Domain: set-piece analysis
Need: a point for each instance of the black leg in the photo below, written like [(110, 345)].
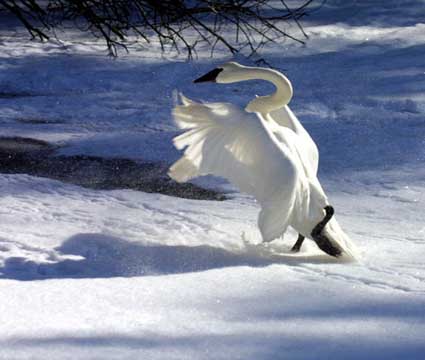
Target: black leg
[(321, 225), (298, 244), (321, 240)]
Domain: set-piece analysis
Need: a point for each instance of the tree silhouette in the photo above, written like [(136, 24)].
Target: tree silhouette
[(181, 24)]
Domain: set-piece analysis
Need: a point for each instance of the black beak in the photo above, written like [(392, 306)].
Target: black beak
[(211, 76)]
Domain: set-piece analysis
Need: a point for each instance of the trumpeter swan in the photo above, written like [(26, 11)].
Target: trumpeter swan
[(265, 153)]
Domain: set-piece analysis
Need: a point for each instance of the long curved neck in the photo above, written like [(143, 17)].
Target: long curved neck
[(266, 104)]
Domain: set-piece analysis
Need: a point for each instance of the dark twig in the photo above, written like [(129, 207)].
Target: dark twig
[(175, 24)]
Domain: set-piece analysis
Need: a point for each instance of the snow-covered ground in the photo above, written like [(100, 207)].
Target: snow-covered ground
[(123, 274)]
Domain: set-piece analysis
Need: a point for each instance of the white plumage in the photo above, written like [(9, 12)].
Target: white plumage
[(285, 117), (263, 150)]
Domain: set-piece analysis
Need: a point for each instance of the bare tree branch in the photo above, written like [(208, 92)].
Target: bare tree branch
[(177, 24)]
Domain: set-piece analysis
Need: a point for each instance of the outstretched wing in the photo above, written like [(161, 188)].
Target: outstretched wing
[(224, 140)]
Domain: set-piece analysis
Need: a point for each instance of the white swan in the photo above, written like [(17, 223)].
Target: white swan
[(265, 153)]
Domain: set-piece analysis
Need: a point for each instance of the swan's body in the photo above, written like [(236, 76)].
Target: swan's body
[(265, 153), (285, 117), (310, 154)]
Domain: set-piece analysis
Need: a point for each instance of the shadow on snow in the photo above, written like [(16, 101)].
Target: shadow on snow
[(258, 344), (103, 256)]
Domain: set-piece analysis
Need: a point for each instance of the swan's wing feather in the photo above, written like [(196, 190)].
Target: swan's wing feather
[(285, 118), (224, 140)]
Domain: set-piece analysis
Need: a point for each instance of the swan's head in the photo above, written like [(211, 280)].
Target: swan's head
[(232, 72), (224, 74)]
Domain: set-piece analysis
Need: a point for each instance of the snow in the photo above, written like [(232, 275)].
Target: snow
[(123, 274)]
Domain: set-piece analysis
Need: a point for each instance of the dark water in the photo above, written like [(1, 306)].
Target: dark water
[(38, 158)]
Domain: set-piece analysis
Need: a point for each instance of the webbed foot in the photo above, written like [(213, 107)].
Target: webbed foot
[(321, 240)]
